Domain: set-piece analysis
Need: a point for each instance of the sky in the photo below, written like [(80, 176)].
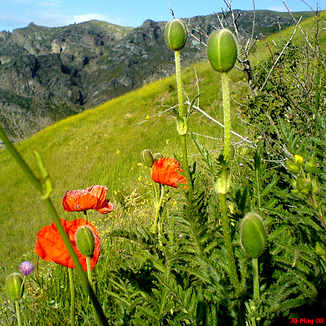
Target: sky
[(55, 13)]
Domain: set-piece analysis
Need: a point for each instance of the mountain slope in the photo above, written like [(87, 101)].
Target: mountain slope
[(47, 74)]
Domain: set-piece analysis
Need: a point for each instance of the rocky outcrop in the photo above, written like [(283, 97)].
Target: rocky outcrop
[(55, 72)]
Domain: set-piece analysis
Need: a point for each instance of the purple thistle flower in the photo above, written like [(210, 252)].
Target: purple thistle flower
[(26, 267)]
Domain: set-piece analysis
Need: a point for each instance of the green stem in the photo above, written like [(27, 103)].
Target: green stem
[(18, 313), (89, 270), (179, 83), (227, 115), (228, 243), (55, 217), (72, 297), (183, 118), (256, 279), (159, 197)]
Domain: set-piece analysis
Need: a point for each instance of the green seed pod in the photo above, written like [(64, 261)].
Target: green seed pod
[(176, 34), (222, 50), (15, 286), (252, 235), (147, 158), (157, 156), (85, 241)]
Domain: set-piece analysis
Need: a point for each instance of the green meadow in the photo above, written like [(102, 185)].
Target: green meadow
[(102, 146)]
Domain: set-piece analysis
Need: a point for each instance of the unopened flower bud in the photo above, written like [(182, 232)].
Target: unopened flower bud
[(147, 158), (253, 235), (15, 286), (85, 241), (157, 156), (176, 34), (222, 50)]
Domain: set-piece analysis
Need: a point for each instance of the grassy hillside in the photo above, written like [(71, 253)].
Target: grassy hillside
[(102, 146)]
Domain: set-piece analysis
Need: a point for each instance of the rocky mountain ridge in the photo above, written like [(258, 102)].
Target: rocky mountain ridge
[(47, 74)]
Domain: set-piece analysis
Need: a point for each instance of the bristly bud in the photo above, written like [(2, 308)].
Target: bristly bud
[(85, 241), (15, 286), (222, 50), (176, 34), (147, 158), (253, 235), (157, 156)]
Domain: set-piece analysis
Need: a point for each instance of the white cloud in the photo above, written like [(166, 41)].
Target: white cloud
[(278, 8)]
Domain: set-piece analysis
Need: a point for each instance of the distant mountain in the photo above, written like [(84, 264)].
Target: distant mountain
[(47, 74)]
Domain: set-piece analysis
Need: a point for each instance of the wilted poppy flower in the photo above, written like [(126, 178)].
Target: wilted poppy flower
[(50, 246), (166, 171), (90, 198)]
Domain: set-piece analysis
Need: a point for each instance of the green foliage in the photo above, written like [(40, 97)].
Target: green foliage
[(183, 275)]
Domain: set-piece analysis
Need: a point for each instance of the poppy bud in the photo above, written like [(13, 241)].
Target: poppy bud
[(15, 286), (176, 34), (85, 241), (157, 156), (147, 158), (252, 235), (222, 50)]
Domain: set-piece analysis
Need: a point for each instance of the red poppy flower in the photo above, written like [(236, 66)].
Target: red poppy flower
[(50, 246), (90, 198), (166, 171)]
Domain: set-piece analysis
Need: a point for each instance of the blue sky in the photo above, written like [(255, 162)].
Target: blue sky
[(55, 13)]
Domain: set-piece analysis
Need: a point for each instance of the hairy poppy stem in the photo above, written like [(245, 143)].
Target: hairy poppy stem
[(159, 196), (255, 267), (227, 115), (228, 242), (100, 317), (89, 270), (184, 124), (18, 313), (72, 297)]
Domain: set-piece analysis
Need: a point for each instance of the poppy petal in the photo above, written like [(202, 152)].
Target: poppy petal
[(166, 171), (50, 246), (105, 208), (84, 199)]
